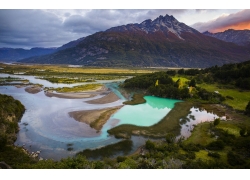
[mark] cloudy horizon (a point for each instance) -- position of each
(27, 28)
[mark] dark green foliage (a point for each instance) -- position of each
(191, 155)
(214, 155)
(150, 145)
(191, 147)
(247, 111)
(165, 88)
(181, 71)
(121, 158)
(237, 74)
(243, 131)
(11, 111)
(170, 138)
(171, 72)
(202, 164)
(212, 97)
(216, 121)
(192, 83)
(235, 159)
(216, 145)
(145, 81)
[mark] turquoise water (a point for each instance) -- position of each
(146, 114)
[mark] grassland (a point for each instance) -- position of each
(238, 99)
(45, 69)
(81, 88)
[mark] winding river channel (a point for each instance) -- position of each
(47, 127)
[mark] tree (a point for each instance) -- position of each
(247, 111)
(192, 83)
(156, 83)
(170, 138)
(243, 132)
(216, 121)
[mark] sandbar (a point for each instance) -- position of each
(109, 98)
(95, 118)
(33, 89)
(69, 95)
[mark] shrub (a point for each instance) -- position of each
(216, 145)
(214, 155)
(216, 121)
(150, 145)
(234, 159)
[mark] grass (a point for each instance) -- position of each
(169, 124)
(34, 68)
(200, 135)
(240, 98)
(136, 99)
(86, 87)
(230, 128)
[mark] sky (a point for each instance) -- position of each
(39, 25)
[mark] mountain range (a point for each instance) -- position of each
(240, 37)
(161, 42)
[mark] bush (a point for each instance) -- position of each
(150, 145)
(243, 132)
(214, 155)
(216, 121)
(170, 138)
(120, 159)
(234, 159)
(247, 111)
(216, 145)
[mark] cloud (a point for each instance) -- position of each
(31, 28)
(239, 21)
(53, 27)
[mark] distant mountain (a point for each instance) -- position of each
(15, 54)
(11, 54)
(240, 37)
(162, 42)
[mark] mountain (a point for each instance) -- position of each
(11, 54)
(70, 44)
(240, 37)
(162, 42)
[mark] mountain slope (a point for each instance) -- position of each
(11, 54)
(161, 42)
(240, 37)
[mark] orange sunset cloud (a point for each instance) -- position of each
(237, 26)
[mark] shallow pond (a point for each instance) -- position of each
(146, 114)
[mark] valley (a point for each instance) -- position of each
(88, 128)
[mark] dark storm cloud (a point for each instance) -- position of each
(53, 28)
(239, 20)
(31, 28)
